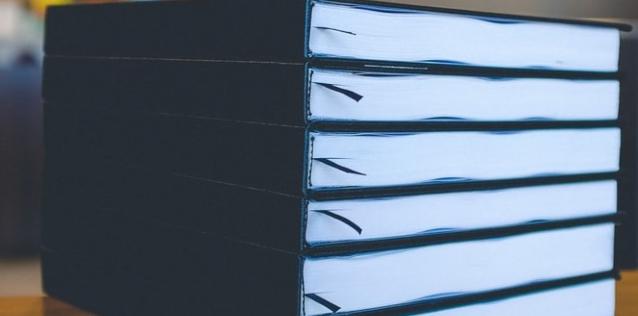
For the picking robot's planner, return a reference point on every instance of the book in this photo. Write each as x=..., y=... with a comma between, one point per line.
x=379, y=96
x=457, y=272
x=340, y=30
x=328, y=162
x=338, y=221
x=299, y=95
x=343, y=160
x=370, y=32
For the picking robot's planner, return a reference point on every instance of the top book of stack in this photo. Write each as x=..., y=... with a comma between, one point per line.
x=352, y=31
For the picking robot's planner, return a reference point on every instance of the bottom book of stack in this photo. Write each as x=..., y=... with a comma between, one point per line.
x=126, y=266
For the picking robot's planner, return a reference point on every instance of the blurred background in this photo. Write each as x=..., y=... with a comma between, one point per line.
x=21, y=145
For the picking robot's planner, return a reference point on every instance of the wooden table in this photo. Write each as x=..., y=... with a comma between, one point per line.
x=627, y=302
x=37, y=306
x=627, y=294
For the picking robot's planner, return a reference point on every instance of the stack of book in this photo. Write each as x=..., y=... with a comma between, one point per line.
x=354, y=158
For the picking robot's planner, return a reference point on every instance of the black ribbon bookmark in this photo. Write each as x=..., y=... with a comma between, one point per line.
x=341, y=219
x=350, y=94
x=335, y=165
x=445, y=118
x=334, y=29
x=327, y=304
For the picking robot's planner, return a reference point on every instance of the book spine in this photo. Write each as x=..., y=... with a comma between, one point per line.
x=253, y=92
x=240, y=30
x=179, y=266
x=260, y=281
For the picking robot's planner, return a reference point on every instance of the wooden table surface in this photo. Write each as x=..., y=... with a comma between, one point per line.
x=37, y=306
x=626, y=292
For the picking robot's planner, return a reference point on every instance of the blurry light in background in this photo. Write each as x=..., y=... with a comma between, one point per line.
x=39, y=6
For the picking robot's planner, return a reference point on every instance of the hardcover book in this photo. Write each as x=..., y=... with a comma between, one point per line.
x=331, y=30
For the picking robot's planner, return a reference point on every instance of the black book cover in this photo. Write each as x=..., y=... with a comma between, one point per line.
x=252, y=92
x=222, y=30
x=204, y=274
